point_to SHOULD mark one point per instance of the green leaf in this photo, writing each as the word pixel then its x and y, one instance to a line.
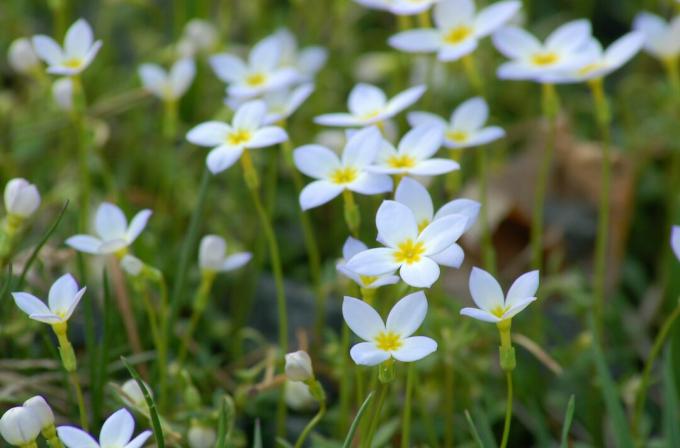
pixel 257 436
pixel 155 421
pixel 385 432
pixel 671 413
pixel 484 427
pixel 280 441
pixel 223 426
pixel 355 423
pixel 473 430
pixel 568 417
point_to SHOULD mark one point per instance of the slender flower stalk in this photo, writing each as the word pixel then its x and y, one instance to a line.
pixel 488 253
pixel 199 304
pixel 406 418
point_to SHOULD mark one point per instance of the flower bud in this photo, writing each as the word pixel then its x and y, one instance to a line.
pixel 132 265
pixel 298 397
pixel 200 436
pixel 19 426
pixel 299 366
pixel 42 411
pixel 133 393
pixel 21 198
pixel 21 56
pixel 62 93
pixel 211 252
pixel 201 33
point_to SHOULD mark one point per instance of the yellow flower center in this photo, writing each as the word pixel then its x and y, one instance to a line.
pixel 422 224
pixel 499 311
pixel 544 59
pixel 255 79
pixel 458 34
pixel 409 252
pixel 401 161
pixel 73 62
pixel 344 175
pixel 368 280
pixel 369 115
pixel 388 341
pixel 238 137
pixel 457 136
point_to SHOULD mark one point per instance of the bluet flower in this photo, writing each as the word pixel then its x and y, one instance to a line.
pixel 212 255
pixel 116 432
pixel 307 62
pixel 299 366
pixel 662 38
pixel 281 104
pixel 352 247
pixel 22 198
pixel 19 426
pixel 62 301
pixel 168 86
pixel 77 54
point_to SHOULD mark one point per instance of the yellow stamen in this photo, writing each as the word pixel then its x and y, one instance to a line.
pixel 457 136
pixel 498 311
pixel 544 59
pixel 73 62
pixel 401 161
pixel 368 280
pixel 238 137
pixel 344 175
pixel 422 224
pixel 585 70
pixel 256 79
pixel 388 341
pixel 458 34
pixel 409 252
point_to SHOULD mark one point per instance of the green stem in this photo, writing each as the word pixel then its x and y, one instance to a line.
pixel 164 340
pixel 508 410
pixel 487 246
pixel 352 214
pixel 454 179
pixel 472 73
pixel 312 423
pixel 170 119
pixel 406 420
pixel 375 417
pixel 82 410
pixel 673 73
pixel 78 118
pixel 200 303
pixel 345 382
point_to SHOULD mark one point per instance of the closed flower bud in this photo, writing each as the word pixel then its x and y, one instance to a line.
pixel 211 252
pixel 42 411
pixel 298 397
pixel 133 393
pixel 21 198
pixel 62 93
pixel 200 436
pixel 299 366
pixel 19 426
pixel 201 33
pixel 21 56
pixel 132 265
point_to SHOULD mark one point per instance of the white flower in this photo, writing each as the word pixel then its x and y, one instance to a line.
pixel 675 241
pixel 262 73
pixel 465 128
pixel 77 54
pixel 299 366
pixel 115 433
pixel 62 93
pixel 212 255
pixel 488 296
pixel 62 299
pixel 168 86
pixel 281 104
pixel 200 436
pixel 408 249
pixel 20 426
pixel 229 141
pixel 21 56
pixel 410 7
pixel 352 247
pixel 392 339
pixel 42 411
pixel 298 396
pixel 200 34
pixel 532 60
pixel 133 394
pixel 600 63
pixel 458 28
pixel 306 61
pixel 413 195
pixel 367 104
pixel 335 174
pixel 413 154
pixel 113 234
pixel 21 198
pixel 662 38
pixel 132 265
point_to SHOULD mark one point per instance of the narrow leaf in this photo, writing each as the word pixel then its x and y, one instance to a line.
pixel 473 430
pixel 568 417
pixel 355 423
pixel 155 421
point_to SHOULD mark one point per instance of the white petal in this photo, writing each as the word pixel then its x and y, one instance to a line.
pixel 425 118
pixel 85 243
pixel 153 78
pixel 515 43
pixel 139 441
pixel 416 41
pixel 485 136
pixel 49 319
pixel 404 100
pixel 76 438
pixel 466 207
pixel 222 157
pixel 470 115
pixel 518 306
pixel 110 222
pixel 408 314
pixel 137 224
pixel 524 287
pixel 74 303
pixel 377 261
pixel 268 136
pixel 266 54
pixel 395 223
pixel 318 193
pixel 47 49
pixel 451 257
pixel 61 295
pixel 30 304
pixel 675 241
pixel 112 246
pixel 311 60
pixel 421 274
pixel 228 68
pixel 441 233
pixel 281 78
pixel 90 55
pixel 649 24
pixel 236 261
pixel 78 39
pixel 371 183
pixel 623 49
pixel 352 247
pixel 485 290
pixel 316 161
pixel 117 429
pixel 361 318
pixel 362 147
pixel 249 116
pixel 516 71
pixel 365 99
pixel 493 16
pixel 367 354
pixel 478 314
pixel 415 348
pixel 449 13
pixel 422 142
pixel 434 167
pixel 412 194
pixel 338 119
pixel 210 133
pixel 570 36
pixel 181 76
pixel 449 53
pixel 383 280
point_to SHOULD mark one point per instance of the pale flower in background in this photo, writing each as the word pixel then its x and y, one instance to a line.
pixel 19 426
pixel 168 86
pixel 352 247
pixel 116 432
pixel 133 394
pixel 307 62
pixel 334 174
pixel 465 128
pixel 77 53
pixel 367 104
pixel 212 255
pixel 281 104
pixel 22 198
pixel 199 36
pixel 458 28
pixel 62 93
pixel 298 396
pixel 492 305
pixel 132 265
pixel 675 241
pixel 299 366
pixel 408 249
pixel 533 60
pixel 113 234
pixel 62 299
pixel 246 131
pixel 22 57
pixel 662 38
pixel 201 436
pixel 391 339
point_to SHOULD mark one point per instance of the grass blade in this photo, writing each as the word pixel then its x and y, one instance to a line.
pixel 224 426
pixel 153 412
pixel 473 429
pixel 257 436
pixel 280 441
pixel 671 413
pixel 568 417
pixel 355 423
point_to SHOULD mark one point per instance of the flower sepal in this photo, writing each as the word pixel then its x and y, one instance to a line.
pixel 507 358
pixel 316 389
pixel 386 373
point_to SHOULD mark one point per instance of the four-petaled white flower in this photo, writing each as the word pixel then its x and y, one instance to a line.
pixel 113 234
pixel 532 60
pixel 408 250
pixel 262 73
pixel 306 61
pixel 662 38
pixel 413 154
pixel 675 241
pixel 399 7
pixel 352 247
pixel 391 339
pixel 415 196
pixel 21 197
pixel 62 299
pixel 168 86
pixel 335 175
pixel 367 104
pixel 281 103
pixel 212 255
pixel 229 141
pixel 488 296
pixel 77 54
pixel 458 28
pixel 116 432
pixel 465 128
